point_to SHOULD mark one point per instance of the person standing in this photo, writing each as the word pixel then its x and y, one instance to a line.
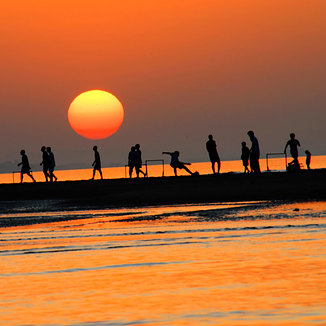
pixel 213 155
pixel 138 161
pixel 97 163
pixel 25 169
pixel 131 160
pixel 308 159
pixel 245 153
pixel 254 153
pixel 51 164
pixel 45 162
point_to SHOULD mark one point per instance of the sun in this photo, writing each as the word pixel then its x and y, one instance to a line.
pixel 95 114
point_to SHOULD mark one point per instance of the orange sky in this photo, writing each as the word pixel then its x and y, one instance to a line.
pixel 182 69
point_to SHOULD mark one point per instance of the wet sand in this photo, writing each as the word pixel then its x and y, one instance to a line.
pixel 306 185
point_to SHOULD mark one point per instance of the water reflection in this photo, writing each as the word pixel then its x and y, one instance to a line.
pixel 257 263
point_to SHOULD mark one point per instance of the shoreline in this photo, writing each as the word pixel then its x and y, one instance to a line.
pixel 99 194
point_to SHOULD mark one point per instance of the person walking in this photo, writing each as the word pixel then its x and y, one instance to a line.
pixel 245 154
pixel 97 163
pixel 25 169
pixel 138 161
pixel 45 163
pixel 51 164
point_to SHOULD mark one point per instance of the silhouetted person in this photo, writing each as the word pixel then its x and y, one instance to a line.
pixel 131 160
pixel 176 164
pixel 213 155
pixel 45 162
pixel 254 153
pixel 25 169
pixel 97 163
pixel 245 154
pixel 293 143
pixel 138 161
pixel 51 164
pixel 308 159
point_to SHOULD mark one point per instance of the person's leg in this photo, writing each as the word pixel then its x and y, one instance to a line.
pixel 137 171
pixel 130 171
pixel 101 174
pixel 218 166
pixel 93 174
pixel 21 177
pixel 213 166
pixel 29 174
pixel 185 168
pixel 175 172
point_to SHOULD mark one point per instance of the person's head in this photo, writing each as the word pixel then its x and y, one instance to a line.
pixel 177 153
pixel 132 148
pixel 95 148
pixel 137 146
pixel 292 135
pixel 250 133
pixel 43 149
pixel 210 137
pixel 307 152
pixel 243 144
pixel 22 152
pixel 48 149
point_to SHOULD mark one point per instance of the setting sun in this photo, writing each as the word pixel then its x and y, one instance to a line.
pixel 95 114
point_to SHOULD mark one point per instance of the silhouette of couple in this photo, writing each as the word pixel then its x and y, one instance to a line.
pixel 135 161
pixel 48 164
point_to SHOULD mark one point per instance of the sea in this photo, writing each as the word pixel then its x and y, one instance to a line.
pixel 239 263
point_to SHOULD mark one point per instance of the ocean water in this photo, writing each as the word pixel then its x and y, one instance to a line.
pixel 245 263
pixel 156 169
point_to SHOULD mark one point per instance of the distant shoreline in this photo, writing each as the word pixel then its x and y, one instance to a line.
pixel 99 194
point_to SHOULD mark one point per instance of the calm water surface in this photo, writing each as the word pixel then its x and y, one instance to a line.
pixel 212 264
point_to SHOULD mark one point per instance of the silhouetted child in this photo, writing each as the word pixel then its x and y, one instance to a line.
pixel 97 163
pixel 26 169
pixel 45 162
pixel 308 159
pixel 213 155
pixel 131 160
pixel 138 161
pixel 176 164
pixel 245 156
pixel 51 164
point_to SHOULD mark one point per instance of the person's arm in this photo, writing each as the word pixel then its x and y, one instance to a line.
pixel 19 163
pixel 286 146
pixel 167 153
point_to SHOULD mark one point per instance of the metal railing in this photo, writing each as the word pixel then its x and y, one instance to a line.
pixel 276 154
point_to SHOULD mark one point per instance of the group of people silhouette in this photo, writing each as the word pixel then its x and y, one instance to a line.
pixel 48 164
pixel 249 156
